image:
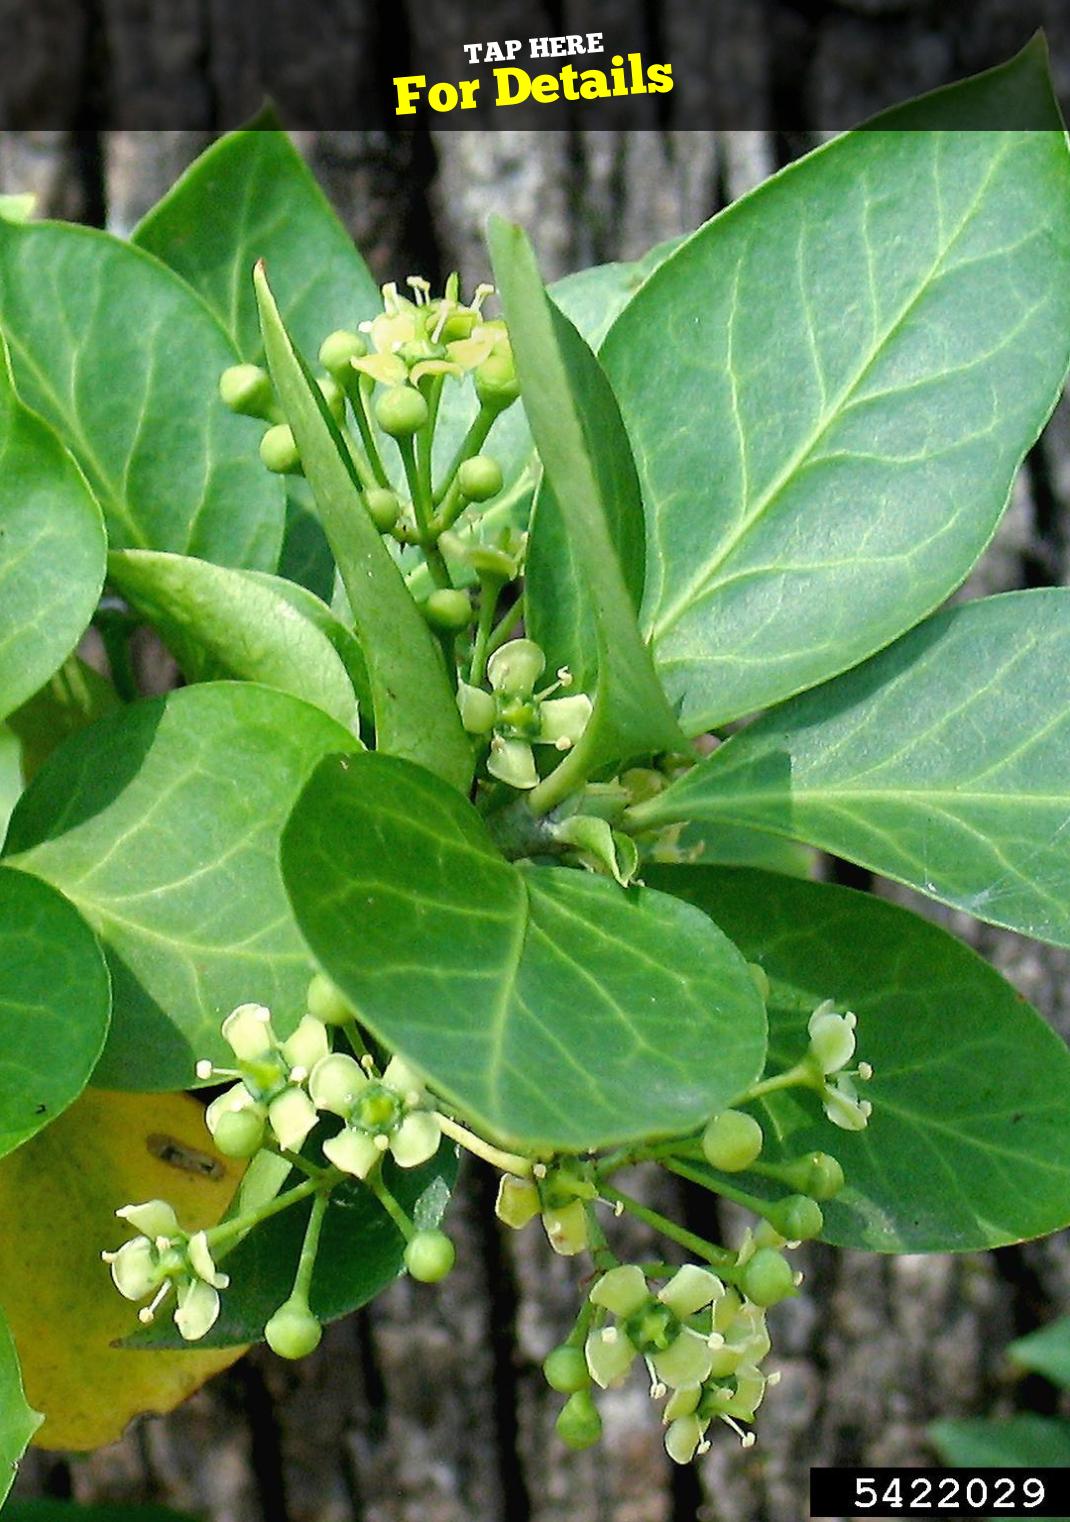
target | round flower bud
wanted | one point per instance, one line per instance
(797, 1218)
(496, 384)
(578, 1422)
(326, 1002)
(449, 609)
(429, 1256)
(480, 478)
(732, 1141)
(401, 411)
(566, 1370)
(239, 1133)
(338, 350)
(293, 1331)
(279, 452)
(767, 1277)
(334, 396)
(247, 389)
(818, 1175)
(383, 506)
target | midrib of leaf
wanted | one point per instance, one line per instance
(707, 573)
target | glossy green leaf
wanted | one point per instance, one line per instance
(1026, 1440)
(55, 1002)
(251, 196)
(18, 1421)
(220, 623)
(52, 549)
(593, 299)
(1046, 1352)
(730, 845)
(161, 824)
(317, 612)
(554, 1007)
(360, 1254)
(943, 762)
(414, 707)
(124, 360)
(10, 774)
(585, 568)
(829, 387)
(968, 1145)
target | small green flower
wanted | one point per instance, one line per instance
(562, 1206)
(832, 1045)
(411, 339)
(522, 717)
(387, 1114)
(272, 1074)
(162, 1256)
(653, 1326)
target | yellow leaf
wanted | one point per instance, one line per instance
(58, 1197)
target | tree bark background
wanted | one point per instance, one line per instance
(429, 1406)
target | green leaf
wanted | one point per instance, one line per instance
(220, 623)
(18, 1422)
(1026, 1440)
(124, 360)
(414, 707)
(554, 1007)
(161, 824)
(587, 465)
(319, 613)
(968, 1145)
(1046, 1352)
(943, 762)
(830, 386)
(251, 196)
(730, 845)
(73, 697)
(10, 774)
(52, 549)
(593, 299)
(360, 1254)
(55, 1002)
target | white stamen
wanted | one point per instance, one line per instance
(773, 1379)
(618, 1209)
(421, 287)
(792, 1245)
(443, 318)
(367, 1062)
(382, 1141)
(658, 1390)
(703, 1447)
(749, 1439)
(730, 1421)
(563, 743)
(715, 1340)
(797, 1279)
(610, 1335)
(411, 1099)
(865, 1071)
(852, 1019)
(482, 292)
(539, 1170)
(298, 1074)
(109, 1257)
(364, 327)
(204, 1068)
(564, 676)
(147, 1314)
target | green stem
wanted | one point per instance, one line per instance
(604, 1256)
(508, 1162)
(490, 588)
(421, 506)
(718, 1256)
(511, 619)
(800, 1076)
(471, 444)
(309, 1248)
(390, 1204)
(425, 439)
(354, 1037)
(295, 1160)
(243, 1223)
(718, 1186)
(358, 397)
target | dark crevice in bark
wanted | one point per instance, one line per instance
(1030, 1307)
(264, 1443)
(371, 1377)
(686, 1492)
(656, 48)
(57, 1483)
(1042, 561)
(503, 1300)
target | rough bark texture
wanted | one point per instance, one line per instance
(429, 1407)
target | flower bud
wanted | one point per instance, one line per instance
(767, 1277)
(401, 411)
(279, 452)
(566, 1370)
(448, 609)
(518, 1201)
(496, 384)
(337, 352)
(383, 507)
(797, 1218)
(578, 1423)
(480, 478)
(732, 1141)
(247, 389)
(239, 1133)
(429, 1256)
(326, 1002)
(293, 1331)
(818, 1175)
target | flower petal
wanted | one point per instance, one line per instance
(682, 1438)
(686, 1361)
(247, 1031)
(352, 1151)
(609, 1356)
(416, 1139)
(515, 667)
(563, 718)
(155, 1218)
(134, 1270)
(691, 1289)
(387, 368)
(512, 761)
(832, 1039)
(336, 1082)
(682, 1402)
(400, 1077)
(198, 1307)
(291, 1116)
(308, 1045)
(622, 1290)
(200, 1260)
(566, 1228)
